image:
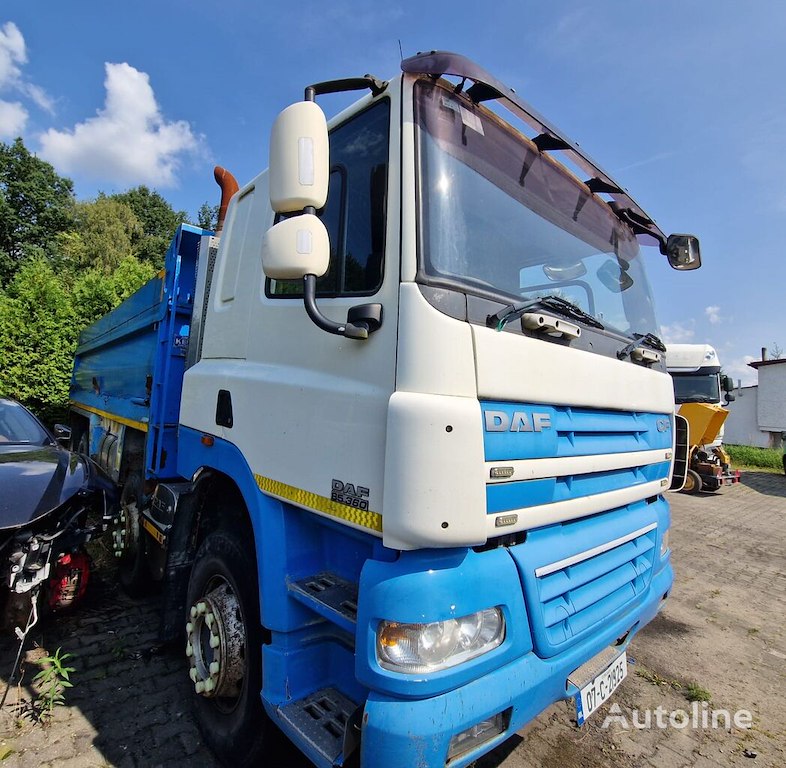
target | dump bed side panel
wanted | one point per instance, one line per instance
(128, 368)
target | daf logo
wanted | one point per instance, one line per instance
(521, 421)
(663, 425)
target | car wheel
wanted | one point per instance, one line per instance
(224, 649)
(129, 539)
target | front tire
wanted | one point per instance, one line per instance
(224, 649)
(693, 482)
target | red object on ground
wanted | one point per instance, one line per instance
(68, 582)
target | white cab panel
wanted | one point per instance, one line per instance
(435, 352)
(435, 490)
(529, 370)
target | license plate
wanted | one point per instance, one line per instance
(599, 690)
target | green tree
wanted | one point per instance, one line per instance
(104, 235)
(35, 205)
(158, 221)
(207, 216)
(95, 293)
(37, 339)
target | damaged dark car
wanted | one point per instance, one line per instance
(52, 502)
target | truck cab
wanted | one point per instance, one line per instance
(425, 427)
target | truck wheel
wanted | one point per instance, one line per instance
(128, 539)
(224, 649)
(693, 482)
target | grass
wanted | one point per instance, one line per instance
(758, 458)
(694, 692)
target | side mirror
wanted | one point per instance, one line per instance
(614, 276)
(296, 247)
(683, 251)
(727, 383)
(299, 159)
(62, 434)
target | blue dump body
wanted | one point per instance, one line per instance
(129, 365)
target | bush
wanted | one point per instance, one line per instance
(745, 455)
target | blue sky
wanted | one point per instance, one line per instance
(683, 101)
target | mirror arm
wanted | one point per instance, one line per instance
(350, 330)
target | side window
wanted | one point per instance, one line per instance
(355, 210)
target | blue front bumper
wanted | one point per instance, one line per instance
(417, 733)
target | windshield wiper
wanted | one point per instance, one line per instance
(555, 303)
(640, 339)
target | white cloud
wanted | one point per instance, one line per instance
(128, 142)
(13, 118)
(713, 314)
(12, 54)
(677, 333)
(40, 97)
(739, 370)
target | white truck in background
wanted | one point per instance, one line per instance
(700, 392)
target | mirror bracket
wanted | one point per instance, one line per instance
(362, 320)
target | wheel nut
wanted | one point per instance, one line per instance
(193, 612)
(189, 650)
(209, 619)
(214, 668)
(214, 641)
(201, 607)
(192, 673)
(199, 687)
(189, 628)
(209, 685)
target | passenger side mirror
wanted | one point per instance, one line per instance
(299, 159)
(62, 434)
(296, 247)
(683, 252)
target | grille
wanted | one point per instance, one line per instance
(577, 593)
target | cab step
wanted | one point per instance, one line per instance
(330, 596)
(320, 720)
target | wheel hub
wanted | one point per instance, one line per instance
(215, 644)
(125, 529)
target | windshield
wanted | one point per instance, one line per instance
(500, 217)
(696, 388)
(18, 426)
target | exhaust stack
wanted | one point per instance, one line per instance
(229, 186)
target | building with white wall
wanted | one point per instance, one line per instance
(757, 416)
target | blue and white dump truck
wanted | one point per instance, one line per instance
(394, 446)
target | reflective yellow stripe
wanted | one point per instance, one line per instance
(154, 532)
(113, 416)
(361, 517)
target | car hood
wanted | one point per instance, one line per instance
(35, 480)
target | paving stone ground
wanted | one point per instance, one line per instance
(722, 629)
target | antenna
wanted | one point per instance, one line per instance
(400, 50)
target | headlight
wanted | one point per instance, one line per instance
(664, 543)
(419, 648)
